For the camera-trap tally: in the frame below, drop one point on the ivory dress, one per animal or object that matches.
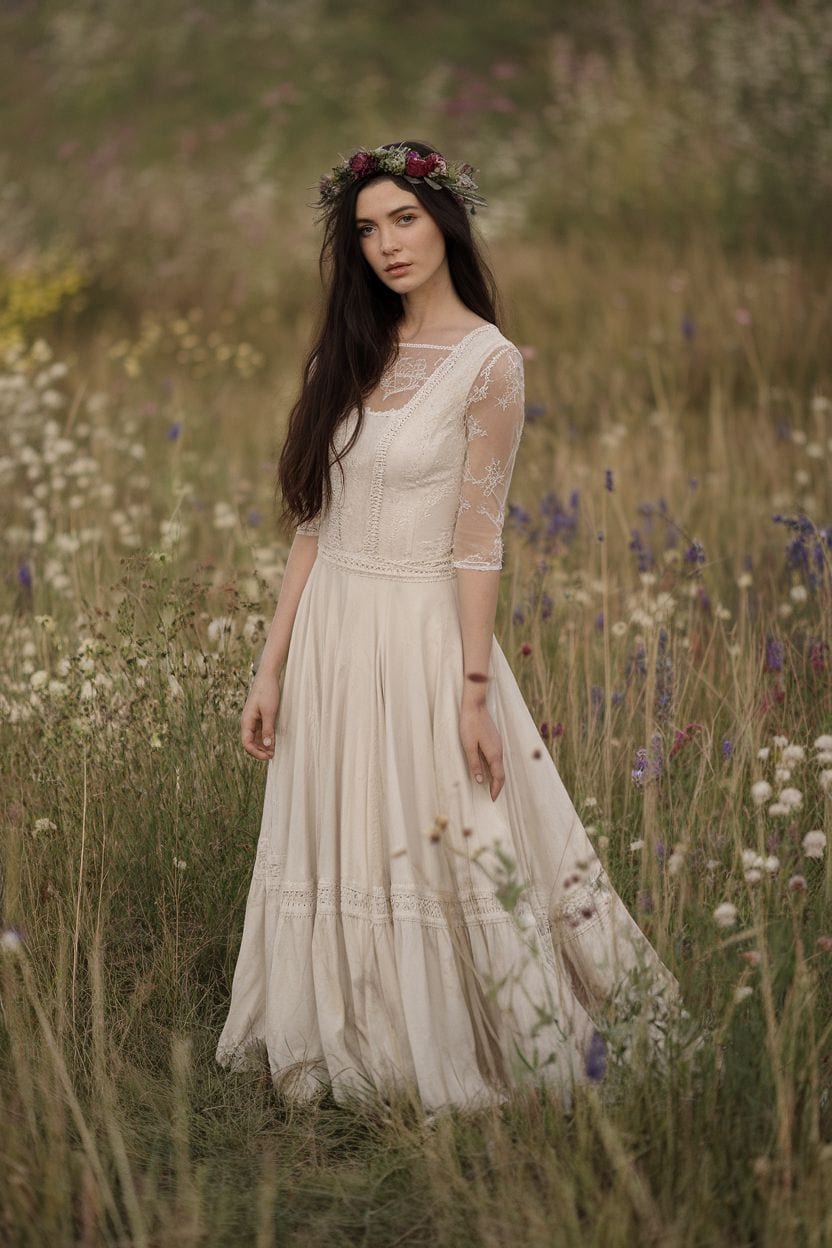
(374, 955)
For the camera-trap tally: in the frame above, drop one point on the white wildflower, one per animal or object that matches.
(761, 792)
(794, 754)
(10, 942)
(763, 753)
(825, 780)
(792, 798)
(725, 914)
(742, 991)
(635, 846)
(772, 864)
(824, 742)
(814, 843)
(778, 809)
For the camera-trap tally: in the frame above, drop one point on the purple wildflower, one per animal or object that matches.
(688, 327)
(24, 575)
(727, 749)
(695, 554)
(595, 1062)
(774, 655)
(174, 430)
(608, 479)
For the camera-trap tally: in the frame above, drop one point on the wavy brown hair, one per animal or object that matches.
(357, 336)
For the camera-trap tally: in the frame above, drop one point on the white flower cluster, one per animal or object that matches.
(787, 756)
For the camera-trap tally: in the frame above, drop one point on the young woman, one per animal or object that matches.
(406, 778)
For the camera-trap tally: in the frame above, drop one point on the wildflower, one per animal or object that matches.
(777, 809)
(798, 594)
(640, 767)
(596, 1057)
(763, 753)
(782, 775)
(727, 748)
(824, 943)
(44, 825)
(774, 655)
(10, 941)
(797, 884)
(38, 679)
(677, 859)
(761, 792)
(793, 754)
(752, 957)
(792, 798)
(780, 743)
(814, 843)
(525, 648)
(725, 914)
(608, 479)
(745, 580)
(825, 780)
(635, 846)
(823, 743)
(742, 991)
(772, 864)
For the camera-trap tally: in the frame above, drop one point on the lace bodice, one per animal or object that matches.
(426, 483)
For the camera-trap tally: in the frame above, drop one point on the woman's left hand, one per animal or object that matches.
(479, 736)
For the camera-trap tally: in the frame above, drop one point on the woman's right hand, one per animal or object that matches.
(260, 716)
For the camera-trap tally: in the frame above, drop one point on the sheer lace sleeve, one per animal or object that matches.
(494, 416)
(310, 529)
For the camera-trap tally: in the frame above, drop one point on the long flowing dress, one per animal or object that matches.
(384, 945)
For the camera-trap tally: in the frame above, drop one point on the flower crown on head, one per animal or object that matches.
(406, 163)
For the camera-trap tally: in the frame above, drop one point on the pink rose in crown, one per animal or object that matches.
(417, 166)
(436, 163)
(362, 163)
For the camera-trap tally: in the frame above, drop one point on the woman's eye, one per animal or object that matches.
(409, 216)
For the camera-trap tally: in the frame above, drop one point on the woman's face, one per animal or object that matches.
(394, 227)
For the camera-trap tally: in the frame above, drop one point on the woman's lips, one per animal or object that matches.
(400, 268)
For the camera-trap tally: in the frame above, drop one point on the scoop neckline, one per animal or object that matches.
(446, 346)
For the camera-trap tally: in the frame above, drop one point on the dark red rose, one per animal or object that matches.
(417, 166)
(362, 163)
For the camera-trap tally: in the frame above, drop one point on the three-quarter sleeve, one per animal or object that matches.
(493, 416)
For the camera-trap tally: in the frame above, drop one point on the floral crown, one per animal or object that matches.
(406, 163)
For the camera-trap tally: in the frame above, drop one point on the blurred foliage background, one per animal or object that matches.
(167, 152)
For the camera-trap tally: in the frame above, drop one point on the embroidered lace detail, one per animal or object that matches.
(581, 907)
(494, 417)
(431, 570)
(427, 481)
(404, 374)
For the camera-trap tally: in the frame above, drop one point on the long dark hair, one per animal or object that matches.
(357, 336)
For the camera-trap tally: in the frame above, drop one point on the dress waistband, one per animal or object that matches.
(371, 565)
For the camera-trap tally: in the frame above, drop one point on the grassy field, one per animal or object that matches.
(659, 184)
